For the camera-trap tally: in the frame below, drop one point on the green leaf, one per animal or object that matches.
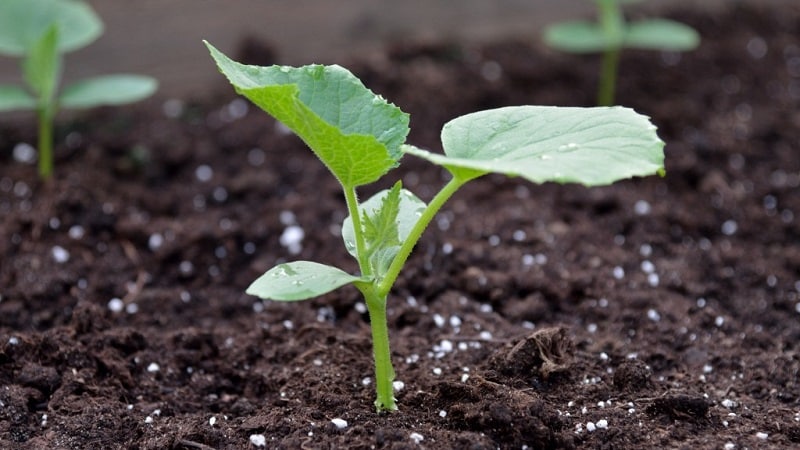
(22, 23)
(355, 133)
(661, 34)
(42, 66)
(300, 280)
(380, 225)
(107, 90)
(579, 37)
(392, 213)
(590, 146)
(13, 98)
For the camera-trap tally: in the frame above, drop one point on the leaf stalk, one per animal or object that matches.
(416, 232)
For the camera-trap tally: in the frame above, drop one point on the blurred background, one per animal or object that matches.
(163, 38)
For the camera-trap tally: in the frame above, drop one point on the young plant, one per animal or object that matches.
(611, 33)
(360, 137)
(40, 31)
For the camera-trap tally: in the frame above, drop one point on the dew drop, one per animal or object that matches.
(569, 147)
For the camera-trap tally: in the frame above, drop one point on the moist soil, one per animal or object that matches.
(654, 313)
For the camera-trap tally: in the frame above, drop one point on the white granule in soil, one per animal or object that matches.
(258, 440)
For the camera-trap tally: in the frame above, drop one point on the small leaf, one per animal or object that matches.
(355, 133)
(590, 146)
(300, 280)
(107, 90)
(661, 34)
(579, 37)
(380, 224)
(13, 98)
(22, 23)
(407, 213)
(42, 65)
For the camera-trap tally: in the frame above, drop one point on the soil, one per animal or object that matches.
(654, 313)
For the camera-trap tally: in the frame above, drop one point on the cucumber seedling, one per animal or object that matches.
(360, 138)
(39, 32)
(611, 33)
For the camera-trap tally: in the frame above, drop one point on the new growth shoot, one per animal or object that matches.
(39, 32)
(611, 33)
(360, 138)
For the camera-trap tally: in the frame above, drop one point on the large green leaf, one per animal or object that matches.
(661, 34)
(13, 98)
(355, 133)
(107, 90)
(22, 23)
(579, 37)
(300, 280)
(590, 146)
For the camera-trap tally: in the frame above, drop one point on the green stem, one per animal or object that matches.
(608, 77)
(352, 207)
(416, 232)
(45, 142)
(612, 22)
(384, 372)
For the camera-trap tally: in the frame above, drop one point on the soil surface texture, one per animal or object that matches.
(654, 313)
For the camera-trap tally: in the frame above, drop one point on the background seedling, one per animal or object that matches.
(360, 137)
(40, 31)
(611, 33)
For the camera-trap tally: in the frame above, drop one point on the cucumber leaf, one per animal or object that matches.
(107, 90)
(23, 22)
(300, 280)
(387, 220)
(355, 133)
(41, 67)
(14, 98)
(579, 37)
(661, 34)
(590, 146)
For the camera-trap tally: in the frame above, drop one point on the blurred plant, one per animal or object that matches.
(611, 33)
(39, 32)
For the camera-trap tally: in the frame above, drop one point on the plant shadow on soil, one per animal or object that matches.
(655, 313)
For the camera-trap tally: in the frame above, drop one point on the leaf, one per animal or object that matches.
(380, 224)
(23, 22)
(107, 90)
(42, 66)
(590, 146)
(410, 209)
(300, 280)
(661, 34)
(355, 133)
(395, 211)
(579, 37)
(13, 98)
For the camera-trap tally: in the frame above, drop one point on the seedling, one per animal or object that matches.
(611, 33)
(40, 31)
(360, 137)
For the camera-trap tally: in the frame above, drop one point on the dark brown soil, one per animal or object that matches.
(655, 313)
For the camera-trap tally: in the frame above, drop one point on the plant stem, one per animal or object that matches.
(384, 372)
(45, 142)
(416, 232)
(352, 207)
(612, 23)
(608, 77)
